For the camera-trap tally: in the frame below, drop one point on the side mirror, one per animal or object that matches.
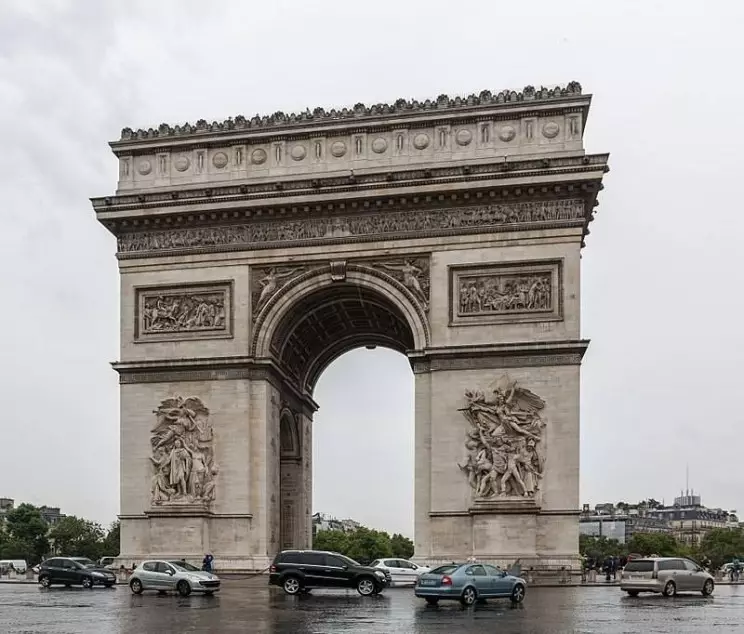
(344, 567)
(415, 567)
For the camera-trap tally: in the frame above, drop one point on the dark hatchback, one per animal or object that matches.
(297, 571)
(69, 571)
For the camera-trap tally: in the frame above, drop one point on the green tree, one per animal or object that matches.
(721, 545)
(111, 546)
(26, 534)
(660, 544)
(74, 536)
(335, 541)
(600, 547)
(366, 545)
(402, 546)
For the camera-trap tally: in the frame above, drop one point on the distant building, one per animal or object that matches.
(691, 521)
(687, 520)
(621, 527)
(51, 514)
(6, 504)
(324, 522)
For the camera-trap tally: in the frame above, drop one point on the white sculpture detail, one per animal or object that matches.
(505, 442)
(183, 453)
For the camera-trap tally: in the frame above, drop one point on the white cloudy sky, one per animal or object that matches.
(662, 295)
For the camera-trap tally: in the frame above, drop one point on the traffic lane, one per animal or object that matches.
(252, 607)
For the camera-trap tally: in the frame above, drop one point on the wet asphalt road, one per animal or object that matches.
(249, 606)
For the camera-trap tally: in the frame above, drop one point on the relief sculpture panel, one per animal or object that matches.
(412, 272)
(267, 281)
(184, 312)
(412, 222)
(504, 443)
(503, 293)
(184, 469)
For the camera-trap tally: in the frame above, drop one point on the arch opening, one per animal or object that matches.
(326, 323)
(305, 332)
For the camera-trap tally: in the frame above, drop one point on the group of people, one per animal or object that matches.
(609, 567)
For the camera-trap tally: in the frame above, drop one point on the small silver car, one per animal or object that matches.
(172, 575)
(665, 575)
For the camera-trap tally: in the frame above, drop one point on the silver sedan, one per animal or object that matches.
(164, 576)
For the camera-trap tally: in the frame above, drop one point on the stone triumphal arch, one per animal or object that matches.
(253, 252)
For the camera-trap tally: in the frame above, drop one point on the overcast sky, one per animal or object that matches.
(662, 297)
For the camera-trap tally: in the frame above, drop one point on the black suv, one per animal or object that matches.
(74, 571)
(299, 570)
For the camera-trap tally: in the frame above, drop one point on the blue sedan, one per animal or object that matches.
(468, 583)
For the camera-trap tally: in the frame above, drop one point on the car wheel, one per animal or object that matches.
(632, 593)
(135, 585)
(183, 587)
(432, 600)
(366, 586)
(670, 589)
(708, 587)
(517, 595)
(469, 596)
(291, 585)
(87, 583)
(45, 581)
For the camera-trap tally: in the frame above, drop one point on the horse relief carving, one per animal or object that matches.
(505, 453)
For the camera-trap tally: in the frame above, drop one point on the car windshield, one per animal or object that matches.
(87, 563)
(445, 570)
(182, 565)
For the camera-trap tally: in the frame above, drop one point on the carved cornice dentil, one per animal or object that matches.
(280, 120)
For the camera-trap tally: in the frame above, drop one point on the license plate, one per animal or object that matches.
(428, 582)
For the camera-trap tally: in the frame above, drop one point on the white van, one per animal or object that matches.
(18, 565)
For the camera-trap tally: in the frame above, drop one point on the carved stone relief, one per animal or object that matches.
(266, 282)
(178, 312)
(499, 293)
(505, 442)
(503, 294)
(413, 273)
(415, 221)
(184, 469)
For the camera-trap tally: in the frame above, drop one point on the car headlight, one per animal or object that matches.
(98, 574)
(379, 573)
(194, 578)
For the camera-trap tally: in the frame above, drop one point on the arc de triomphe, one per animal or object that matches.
(253, 252)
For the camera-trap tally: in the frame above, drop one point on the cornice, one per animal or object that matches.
(212, 369)
(497, 356)
(279, 191)
(401, 109)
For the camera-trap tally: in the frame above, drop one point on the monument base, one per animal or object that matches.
(505, 532)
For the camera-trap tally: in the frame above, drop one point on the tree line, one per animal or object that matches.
(26, 535)
(364, 544)
(717, 547)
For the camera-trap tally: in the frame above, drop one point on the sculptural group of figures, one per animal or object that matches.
(504, 442)
(172, 313)
(183, 456)
(505, 293)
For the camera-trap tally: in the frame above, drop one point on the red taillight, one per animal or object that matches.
(273, 568)
(446, 580)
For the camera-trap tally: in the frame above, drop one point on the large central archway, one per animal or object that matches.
(310, 324)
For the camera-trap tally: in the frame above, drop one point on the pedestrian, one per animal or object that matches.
(607, 568)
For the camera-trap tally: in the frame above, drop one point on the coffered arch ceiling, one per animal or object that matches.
(333, 320)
